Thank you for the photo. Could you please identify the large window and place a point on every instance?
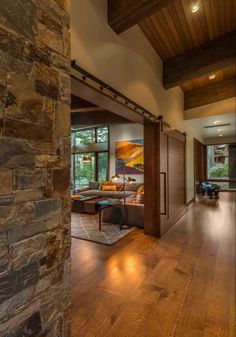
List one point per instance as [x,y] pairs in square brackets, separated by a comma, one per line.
[221,165]
[91,144]
[218,161]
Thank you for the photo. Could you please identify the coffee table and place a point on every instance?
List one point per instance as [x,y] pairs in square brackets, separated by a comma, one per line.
[107,203]
[79,203]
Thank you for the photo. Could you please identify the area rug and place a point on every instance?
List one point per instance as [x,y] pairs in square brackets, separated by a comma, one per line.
[85,227]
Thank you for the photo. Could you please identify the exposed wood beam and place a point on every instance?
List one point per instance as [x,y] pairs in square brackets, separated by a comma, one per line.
[123,14]
[210,94]
[89,109]
[97,118]
[200,61]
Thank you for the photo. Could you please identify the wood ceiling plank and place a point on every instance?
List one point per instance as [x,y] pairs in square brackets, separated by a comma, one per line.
[210,94]
[123,14]
[221,75]
[149,31]
[202,60]
[182,25]
[167,43]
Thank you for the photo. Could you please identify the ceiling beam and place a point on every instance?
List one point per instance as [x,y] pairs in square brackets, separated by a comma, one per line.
[123,14]
[200,61]
[212,93]
[97,118]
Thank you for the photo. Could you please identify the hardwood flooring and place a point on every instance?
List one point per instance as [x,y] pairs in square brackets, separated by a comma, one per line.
[180,286]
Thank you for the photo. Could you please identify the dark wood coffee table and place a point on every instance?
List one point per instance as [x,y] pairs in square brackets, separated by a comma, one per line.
[79,204]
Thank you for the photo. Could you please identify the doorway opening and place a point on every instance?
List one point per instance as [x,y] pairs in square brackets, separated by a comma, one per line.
[107,171]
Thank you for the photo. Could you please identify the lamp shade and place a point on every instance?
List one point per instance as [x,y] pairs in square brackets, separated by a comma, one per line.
[87,159]
[115,177]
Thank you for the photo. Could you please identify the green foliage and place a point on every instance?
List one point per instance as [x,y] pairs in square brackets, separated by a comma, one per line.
[219,171]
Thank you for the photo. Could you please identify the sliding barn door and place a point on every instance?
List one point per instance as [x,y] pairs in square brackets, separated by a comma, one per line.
[164,178]
[172,177]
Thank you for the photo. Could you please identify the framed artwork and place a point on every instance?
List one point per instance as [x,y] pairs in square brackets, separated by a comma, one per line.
[129,157]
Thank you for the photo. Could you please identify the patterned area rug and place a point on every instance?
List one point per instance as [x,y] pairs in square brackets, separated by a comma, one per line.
[85,226]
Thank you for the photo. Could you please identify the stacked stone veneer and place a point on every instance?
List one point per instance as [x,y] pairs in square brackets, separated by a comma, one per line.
[34,168]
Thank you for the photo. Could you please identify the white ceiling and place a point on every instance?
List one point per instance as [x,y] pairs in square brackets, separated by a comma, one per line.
[226,131]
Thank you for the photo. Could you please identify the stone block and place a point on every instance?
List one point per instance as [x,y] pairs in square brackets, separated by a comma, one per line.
[63,120]
[47,161]
[6,200]
[22,101]
[36,227]
[65,89]
[39,54]
[45,209]
[21,16]
[27,178]
[27,131]
[3,253]
[5,181]
[55,247]
[46,19]
[16,281]
[11,44]
[45,74]
[66,210]
[51,39]
[27,251]
[58,13]
[47,90]
[32,326]
[28,195]
[22,214]
[61,182]
[60,62]
[48,149]
[16,153]
[10,63]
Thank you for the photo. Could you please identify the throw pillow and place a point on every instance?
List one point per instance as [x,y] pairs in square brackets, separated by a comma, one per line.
[140,190]
[109,188]
[140,198]
[94,185]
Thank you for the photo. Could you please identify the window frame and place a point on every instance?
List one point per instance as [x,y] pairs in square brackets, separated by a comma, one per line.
[229,180]
[96,153]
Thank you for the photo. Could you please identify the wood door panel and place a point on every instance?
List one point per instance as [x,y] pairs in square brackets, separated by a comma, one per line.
[176,175]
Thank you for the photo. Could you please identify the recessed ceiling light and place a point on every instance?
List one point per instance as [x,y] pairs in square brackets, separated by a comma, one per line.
[219,130]
[212,76]
[195,8]
[220,135]
[216,122]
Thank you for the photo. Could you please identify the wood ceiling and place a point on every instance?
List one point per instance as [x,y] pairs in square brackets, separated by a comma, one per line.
[191,45]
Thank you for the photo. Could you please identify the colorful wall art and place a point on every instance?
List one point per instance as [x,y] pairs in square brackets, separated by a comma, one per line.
[129,157]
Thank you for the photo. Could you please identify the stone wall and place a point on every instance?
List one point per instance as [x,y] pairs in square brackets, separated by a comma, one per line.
[34,168]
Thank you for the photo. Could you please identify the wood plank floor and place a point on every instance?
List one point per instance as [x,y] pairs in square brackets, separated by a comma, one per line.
[180,286]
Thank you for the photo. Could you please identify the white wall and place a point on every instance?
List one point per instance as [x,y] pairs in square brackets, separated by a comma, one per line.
[121,132]
[127,62]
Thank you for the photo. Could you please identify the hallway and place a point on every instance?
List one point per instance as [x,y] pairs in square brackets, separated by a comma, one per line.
[180,286]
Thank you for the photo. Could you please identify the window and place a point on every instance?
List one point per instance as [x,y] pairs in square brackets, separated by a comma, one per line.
[102,134]
[84,137]
[94,143]
[102,166]
[221,165]
[218,161]
[83,172]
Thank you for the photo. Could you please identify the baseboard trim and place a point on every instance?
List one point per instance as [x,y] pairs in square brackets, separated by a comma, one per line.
[190,202]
